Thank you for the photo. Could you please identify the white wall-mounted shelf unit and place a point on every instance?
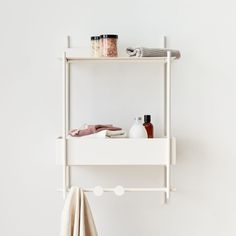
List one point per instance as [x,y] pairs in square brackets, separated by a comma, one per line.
[100,152]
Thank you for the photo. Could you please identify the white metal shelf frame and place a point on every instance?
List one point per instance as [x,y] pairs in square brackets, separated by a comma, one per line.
[167,114]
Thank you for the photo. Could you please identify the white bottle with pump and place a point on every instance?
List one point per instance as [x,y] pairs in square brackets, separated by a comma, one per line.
[137,130]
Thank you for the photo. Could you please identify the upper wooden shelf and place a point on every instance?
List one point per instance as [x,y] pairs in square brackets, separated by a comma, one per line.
[77,55]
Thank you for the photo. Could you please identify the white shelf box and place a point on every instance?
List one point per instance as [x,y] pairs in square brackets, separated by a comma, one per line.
[82,151]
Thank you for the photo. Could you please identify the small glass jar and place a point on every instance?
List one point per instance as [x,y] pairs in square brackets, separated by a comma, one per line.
[108,44]
[95,46]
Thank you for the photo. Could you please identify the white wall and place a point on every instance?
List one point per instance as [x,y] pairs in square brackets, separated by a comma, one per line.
[32,36]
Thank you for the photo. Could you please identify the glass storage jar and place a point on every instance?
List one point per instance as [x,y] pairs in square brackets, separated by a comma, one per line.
[108,44]
[95,46]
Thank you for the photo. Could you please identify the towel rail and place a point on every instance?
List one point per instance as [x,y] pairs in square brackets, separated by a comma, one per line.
[172,189]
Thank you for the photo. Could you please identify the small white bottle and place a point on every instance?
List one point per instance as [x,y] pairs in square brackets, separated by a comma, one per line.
[137,130]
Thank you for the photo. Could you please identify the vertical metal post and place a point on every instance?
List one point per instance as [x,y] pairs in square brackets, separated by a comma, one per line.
[168,95]
[68,108]
[166,168]
[164,43]
[66,119]
[64,122]
[68,41]
[168,120]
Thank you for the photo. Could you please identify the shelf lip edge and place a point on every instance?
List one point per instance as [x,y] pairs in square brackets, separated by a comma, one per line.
[124,59]
[146,165]
[117,139]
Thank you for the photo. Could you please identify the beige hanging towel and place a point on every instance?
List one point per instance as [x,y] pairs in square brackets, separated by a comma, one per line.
[77,219]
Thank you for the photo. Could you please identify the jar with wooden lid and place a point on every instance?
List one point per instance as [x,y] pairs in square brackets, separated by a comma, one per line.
[108,44]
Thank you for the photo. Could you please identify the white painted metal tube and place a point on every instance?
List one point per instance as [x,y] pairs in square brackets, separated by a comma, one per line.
[168,182]
[67,94]
[67,109]
[64,183]
[168,95]
[168,120]
[130,189]
[164,43]
[64,102]
[68,41]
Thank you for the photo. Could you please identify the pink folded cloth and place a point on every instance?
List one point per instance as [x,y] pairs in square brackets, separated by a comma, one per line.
[91,129]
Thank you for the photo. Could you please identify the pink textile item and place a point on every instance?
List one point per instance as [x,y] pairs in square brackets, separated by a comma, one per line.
[91,129]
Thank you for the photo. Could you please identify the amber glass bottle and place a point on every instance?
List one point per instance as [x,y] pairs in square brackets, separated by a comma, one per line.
[148,126]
